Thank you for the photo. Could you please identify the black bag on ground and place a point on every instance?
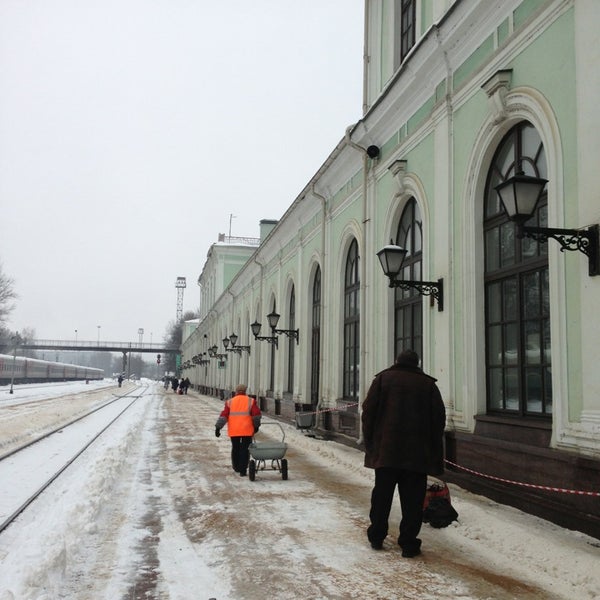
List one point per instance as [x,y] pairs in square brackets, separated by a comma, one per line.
[438,511]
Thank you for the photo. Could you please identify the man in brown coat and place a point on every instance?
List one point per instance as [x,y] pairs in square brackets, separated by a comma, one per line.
[403,420]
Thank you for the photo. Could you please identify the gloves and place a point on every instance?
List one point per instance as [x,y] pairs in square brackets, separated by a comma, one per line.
[217,432]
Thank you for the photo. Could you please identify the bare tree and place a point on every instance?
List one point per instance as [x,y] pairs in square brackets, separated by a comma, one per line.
[7,295]
[174,336]
[27,335]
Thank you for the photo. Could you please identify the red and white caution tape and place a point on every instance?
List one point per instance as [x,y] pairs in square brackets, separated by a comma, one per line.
[527,485]
[479,474]
[327,410]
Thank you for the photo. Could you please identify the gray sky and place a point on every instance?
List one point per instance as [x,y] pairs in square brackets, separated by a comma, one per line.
[131,129]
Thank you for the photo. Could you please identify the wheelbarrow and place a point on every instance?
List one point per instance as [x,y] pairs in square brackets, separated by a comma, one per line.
[262,452]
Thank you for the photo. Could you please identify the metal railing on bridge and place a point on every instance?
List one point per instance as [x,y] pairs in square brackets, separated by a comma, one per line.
[101,346]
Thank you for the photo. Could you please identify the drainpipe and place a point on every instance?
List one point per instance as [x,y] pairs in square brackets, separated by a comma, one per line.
[365,105]
[196,334]
[257,361]
[371,152]
[323,288]
[229,371]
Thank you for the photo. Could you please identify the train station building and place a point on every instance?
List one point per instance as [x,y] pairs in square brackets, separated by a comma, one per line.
[463,101]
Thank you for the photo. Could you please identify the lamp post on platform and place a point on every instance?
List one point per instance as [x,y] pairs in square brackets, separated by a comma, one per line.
[16,341]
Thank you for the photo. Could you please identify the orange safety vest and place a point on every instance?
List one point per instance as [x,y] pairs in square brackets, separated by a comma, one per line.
[239,422]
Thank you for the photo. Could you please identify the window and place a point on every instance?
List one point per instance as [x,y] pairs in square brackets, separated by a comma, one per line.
[291,342]
[315,342]
[408,305]
[405,26]
[351,324]
[517,308]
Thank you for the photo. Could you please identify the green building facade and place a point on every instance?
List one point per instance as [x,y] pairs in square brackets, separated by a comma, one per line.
[459,97]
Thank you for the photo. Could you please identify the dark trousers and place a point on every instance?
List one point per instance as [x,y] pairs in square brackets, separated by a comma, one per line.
[239,452]
[411,489]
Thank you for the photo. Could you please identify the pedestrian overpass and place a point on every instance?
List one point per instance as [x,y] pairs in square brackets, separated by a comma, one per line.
[99,346]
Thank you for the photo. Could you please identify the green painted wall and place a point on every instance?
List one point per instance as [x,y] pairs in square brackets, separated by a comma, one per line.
[525,10]
[419,161]
[502,30]
[474,62]
[426,16]
[387,43]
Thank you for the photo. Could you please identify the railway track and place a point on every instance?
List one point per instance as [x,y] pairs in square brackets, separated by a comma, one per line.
[25,476]
[16,402]
[47,402]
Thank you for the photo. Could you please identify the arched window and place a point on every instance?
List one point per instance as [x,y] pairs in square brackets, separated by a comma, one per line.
[351,323]
[408,305]
[517,311]
[315,341]
[291,342]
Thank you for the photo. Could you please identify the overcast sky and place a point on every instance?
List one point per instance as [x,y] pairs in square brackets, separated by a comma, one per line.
[131,129]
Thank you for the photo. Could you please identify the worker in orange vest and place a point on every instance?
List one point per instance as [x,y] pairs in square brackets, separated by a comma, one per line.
[242,415]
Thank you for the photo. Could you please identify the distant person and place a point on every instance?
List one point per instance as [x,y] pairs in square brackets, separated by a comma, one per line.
[120,380]
[242,416]
[174,384]
[166,382]
[403,420]
[186,385]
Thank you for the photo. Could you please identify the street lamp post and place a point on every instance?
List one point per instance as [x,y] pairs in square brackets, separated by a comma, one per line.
[16,340]
[98,334]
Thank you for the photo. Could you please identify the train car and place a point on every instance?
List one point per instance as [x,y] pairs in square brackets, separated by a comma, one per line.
[30,370]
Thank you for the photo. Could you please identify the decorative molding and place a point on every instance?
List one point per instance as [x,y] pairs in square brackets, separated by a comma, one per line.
[398,170]
[496,88]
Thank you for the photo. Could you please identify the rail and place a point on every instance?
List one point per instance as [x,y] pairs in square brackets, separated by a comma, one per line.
[14,504]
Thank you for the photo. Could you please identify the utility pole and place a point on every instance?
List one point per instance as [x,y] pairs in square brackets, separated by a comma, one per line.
[231,217]
[180,285]
[16,339]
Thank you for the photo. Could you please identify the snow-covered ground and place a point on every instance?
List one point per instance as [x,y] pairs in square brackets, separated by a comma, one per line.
[42,391]
[154,511]
[26,414]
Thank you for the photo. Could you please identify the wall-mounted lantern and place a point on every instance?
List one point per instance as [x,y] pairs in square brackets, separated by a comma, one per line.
[273,319]
[255,327]
[392,258]
[520,195]
[213,352]
[235,348]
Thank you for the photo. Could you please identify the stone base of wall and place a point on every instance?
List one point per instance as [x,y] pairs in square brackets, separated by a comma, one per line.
[330,423]
[515,460]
